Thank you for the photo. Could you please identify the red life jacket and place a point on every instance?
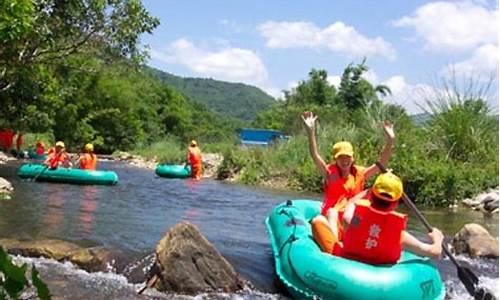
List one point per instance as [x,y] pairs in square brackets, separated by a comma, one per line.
[374,236]
[338,188]
[40,150]
[88,161]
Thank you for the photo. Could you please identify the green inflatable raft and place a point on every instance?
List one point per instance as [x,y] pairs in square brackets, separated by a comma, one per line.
[309,273]
[65,175]
[32,154]
[173,171]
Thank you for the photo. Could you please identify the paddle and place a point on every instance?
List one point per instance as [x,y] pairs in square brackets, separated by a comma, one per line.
[37,175]
[468,278]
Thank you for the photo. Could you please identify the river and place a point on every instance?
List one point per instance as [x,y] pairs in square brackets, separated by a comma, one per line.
[133,215]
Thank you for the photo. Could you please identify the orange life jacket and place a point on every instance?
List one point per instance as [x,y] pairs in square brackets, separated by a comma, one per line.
[373,236]
[55,159]
[339,189]
[194,156]
[88,161]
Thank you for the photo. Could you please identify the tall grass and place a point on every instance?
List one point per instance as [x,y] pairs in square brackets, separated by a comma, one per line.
[462,126]
[168,150]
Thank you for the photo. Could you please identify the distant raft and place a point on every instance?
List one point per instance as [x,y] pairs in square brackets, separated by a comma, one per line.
[309,273]
[32,154]
[65,175]
[173,171]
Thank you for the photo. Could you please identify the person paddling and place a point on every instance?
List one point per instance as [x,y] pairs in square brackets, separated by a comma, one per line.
[58,158]
[194,158]
[343,178]
[374,232]
[88,160]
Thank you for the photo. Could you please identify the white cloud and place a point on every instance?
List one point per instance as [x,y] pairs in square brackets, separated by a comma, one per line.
[229,64]
[371,76]
[453,26]
[334,80]
[409,96]
[483,63]
[337,37]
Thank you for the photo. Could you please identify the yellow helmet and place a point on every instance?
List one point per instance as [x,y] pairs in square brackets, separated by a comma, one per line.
[60,144]
[342,148]
[388,187]
[89,147]
[193,143]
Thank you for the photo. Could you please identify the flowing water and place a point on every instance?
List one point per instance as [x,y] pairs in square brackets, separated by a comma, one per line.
[133,215]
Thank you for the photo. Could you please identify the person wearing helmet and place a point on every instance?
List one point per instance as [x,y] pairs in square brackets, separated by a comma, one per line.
[58,158]
[194,159]
[88,160]
[374,232]
[342,177]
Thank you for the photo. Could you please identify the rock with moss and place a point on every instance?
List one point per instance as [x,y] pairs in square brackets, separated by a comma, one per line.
[475,241]
[189,264]
[93,259]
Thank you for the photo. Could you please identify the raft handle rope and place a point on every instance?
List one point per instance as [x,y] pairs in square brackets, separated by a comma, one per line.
[292,238]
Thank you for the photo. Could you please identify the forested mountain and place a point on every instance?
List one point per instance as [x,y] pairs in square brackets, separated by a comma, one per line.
[232,99]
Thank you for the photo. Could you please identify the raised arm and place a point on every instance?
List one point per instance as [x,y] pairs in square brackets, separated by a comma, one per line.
[433,250]
[309,120]
[386,152]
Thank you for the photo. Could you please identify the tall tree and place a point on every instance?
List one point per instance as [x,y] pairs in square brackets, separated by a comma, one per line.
[355,91]
[45,31]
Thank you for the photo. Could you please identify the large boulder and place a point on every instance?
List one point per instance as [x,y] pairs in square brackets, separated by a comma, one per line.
[211,163]
[475,241]
[189,264]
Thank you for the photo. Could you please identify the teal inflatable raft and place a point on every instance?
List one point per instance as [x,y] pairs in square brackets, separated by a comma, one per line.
[32,154]
[173,171]
[78,176]
[309,273]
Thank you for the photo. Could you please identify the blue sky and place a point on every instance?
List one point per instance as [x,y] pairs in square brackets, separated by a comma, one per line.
[409,45]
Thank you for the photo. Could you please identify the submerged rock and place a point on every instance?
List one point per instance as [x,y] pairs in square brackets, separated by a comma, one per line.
[92,259]
[475,241]
[188,263]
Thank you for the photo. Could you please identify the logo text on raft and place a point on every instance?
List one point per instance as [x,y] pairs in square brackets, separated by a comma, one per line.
[293,222]
[427,289]
[320,281]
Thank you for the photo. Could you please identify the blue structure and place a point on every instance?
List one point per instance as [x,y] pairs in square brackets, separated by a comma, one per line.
[260,137]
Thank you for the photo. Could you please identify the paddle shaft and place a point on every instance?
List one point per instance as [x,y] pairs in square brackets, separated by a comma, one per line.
[38,175]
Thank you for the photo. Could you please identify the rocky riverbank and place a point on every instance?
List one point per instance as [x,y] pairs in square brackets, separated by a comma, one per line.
[185,262]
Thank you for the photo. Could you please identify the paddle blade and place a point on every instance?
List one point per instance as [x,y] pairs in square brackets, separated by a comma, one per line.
[470,281]
[468,278]
[482,294]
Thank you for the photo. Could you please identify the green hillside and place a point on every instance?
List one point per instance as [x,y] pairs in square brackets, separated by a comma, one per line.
[232,99]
